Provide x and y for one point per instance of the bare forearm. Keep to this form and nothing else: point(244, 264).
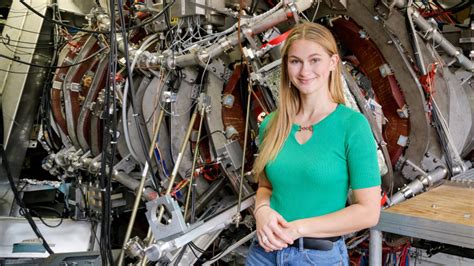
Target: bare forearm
point(350, 219)
point(270, 224)
point(263, 196)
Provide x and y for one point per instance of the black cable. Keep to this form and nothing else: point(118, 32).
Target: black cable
point(157, 105)
point(45, 105)
point(180, 255)
point(55, 67)
point(192, 250)
point(9, 40)
point(22, 52)
point(192, 246)
point(253, 6)
point(167, 19)
point(23, 73)
point(59, 22)
point(26, 14)
point(132, 95)
point(13, 27)
point(108, 146)
point(20, 202)
point(220, 253)
point(213, 132)
point(23, 210)
point(145, 22)
point(88, 212)
point(24, 47)
point(196, 247)
point(7, 37)
point(33, 210)
point(15, 10)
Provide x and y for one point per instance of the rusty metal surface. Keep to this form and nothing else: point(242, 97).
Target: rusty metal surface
point(421, 135)
point(71, 93)
point(387, 92)
point(83, 124)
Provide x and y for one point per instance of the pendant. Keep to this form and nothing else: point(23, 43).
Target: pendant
point(308, 128)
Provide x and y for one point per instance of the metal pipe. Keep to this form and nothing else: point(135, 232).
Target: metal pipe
point(399, 3)
point(215, 50)
point(421, 183)
point(174, 173)
point(148, 240)
point(201, 57)
point(183, 60)
point(242, 170)
point(140, 188)
point(439, 39)
point(231, 248)
point(125, 180)
point(196, 151)
point(133, 184)
point(375, 247)
point(220, 221)
point(415, 43)
point(210, 193)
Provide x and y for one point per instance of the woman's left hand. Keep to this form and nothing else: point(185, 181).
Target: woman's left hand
point(292, 230)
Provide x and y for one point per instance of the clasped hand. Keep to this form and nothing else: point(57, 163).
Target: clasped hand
point(273, 231)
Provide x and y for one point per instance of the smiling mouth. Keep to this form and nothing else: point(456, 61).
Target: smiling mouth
point(306, 81)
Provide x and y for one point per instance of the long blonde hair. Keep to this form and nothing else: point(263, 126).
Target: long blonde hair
point(279, 126)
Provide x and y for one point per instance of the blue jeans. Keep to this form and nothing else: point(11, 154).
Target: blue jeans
point(298, 256)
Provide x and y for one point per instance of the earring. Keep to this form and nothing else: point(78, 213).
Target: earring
point(289, 84)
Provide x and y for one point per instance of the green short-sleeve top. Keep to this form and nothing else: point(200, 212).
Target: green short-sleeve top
point(312, 179)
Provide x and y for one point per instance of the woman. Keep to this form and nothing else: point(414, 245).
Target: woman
point(313, 150)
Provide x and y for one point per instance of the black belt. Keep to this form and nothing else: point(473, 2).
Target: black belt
point(325, 243)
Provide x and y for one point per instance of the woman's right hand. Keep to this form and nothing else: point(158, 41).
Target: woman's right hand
point(270, 232)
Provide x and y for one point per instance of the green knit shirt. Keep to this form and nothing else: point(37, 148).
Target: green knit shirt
point(312, 179)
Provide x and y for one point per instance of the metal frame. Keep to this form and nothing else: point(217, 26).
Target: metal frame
point(444, 232)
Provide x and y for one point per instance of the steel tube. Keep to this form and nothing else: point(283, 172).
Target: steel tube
point(140, 188)
point(174, 173)
point(196, 151)
point(415, 43)
point(434, 34)
point(375, 247)
point(265, 23)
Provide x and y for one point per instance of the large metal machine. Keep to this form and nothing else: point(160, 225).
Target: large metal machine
point(137, 121)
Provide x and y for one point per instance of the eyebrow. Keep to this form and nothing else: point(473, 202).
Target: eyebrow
point(311, 55)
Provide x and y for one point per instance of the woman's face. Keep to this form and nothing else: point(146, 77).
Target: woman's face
point(309, 66)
